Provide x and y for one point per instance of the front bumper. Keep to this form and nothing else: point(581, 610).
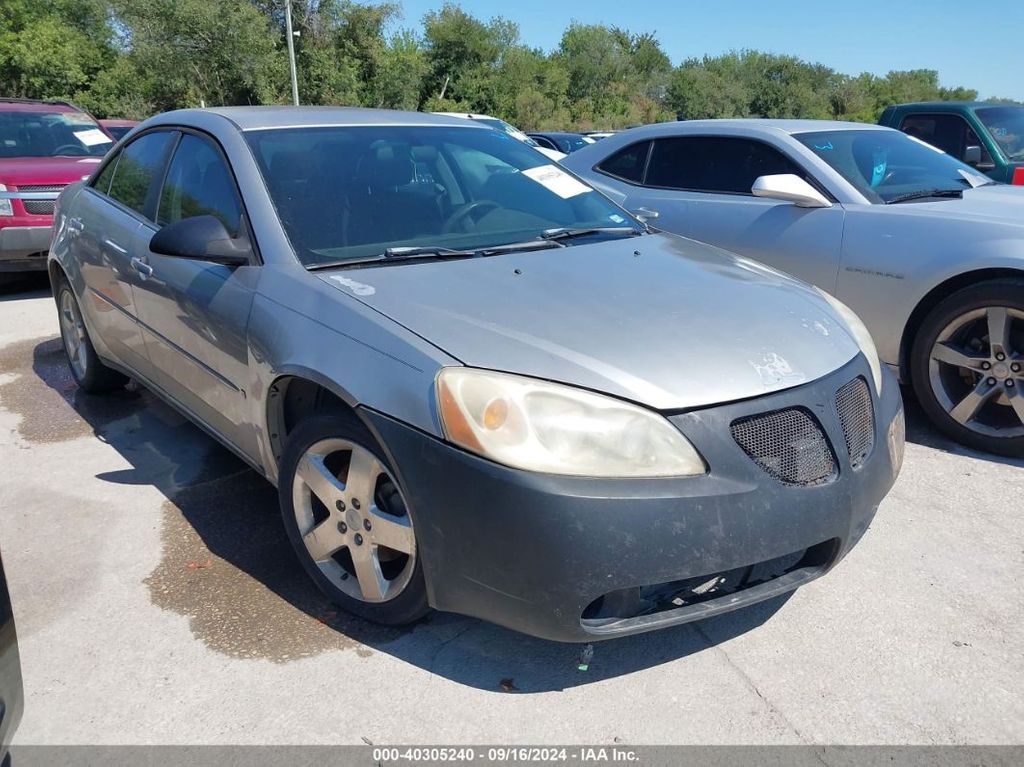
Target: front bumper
point(534, 552)
point(24, 248)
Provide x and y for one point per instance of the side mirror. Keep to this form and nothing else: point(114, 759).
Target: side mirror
point(790, 188)
point(972, 155)
point(203, 238)
point(645, 215)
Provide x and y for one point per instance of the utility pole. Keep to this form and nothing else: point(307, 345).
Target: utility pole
point(291, 50)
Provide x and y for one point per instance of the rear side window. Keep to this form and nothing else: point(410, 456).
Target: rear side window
point(137, 167)
point(198, 184)
point(714, 164)
point(628, 164)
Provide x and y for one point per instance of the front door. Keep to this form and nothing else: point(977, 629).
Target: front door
point(700, 187)
point(194, 314)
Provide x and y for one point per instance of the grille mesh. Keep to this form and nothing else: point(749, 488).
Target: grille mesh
point(41, 187)
point(39, 207)
point(788, 444)
point(853, 401)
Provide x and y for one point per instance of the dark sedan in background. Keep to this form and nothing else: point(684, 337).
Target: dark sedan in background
point(562, 142)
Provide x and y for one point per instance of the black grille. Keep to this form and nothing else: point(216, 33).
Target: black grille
point(39, 207)
point(41, 187)
point(788, 444)
point(853, 401)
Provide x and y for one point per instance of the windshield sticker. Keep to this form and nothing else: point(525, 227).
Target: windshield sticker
point(557, 180)
point(92, 137)
point(616, 218)
point(824, 147)
point(359, 288)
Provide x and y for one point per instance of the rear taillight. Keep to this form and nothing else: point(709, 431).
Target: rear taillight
point(1018, 177)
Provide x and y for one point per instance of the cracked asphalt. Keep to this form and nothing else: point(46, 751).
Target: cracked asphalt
point(157, 601)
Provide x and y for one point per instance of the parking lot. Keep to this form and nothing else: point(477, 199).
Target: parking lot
point(158, 601)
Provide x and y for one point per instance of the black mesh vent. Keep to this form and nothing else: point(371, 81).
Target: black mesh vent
point(41, 187)
point(788, 444)
point(853, 401)
point(39, 207)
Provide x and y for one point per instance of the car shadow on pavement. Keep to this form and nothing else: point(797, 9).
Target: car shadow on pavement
point(920, 431)
point(15, 287)
point(227, 566)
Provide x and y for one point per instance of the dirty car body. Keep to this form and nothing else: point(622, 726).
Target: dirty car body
point(471, 374)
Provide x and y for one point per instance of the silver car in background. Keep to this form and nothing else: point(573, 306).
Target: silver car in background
point(478, 384)
point(925, 249)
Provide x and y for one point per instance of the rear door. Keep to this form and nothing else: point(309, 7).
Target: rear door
point(193, 313)
point(104, 226)
point(700, 187)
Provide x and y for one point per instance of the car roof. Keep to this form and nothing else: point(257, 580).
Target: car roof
point(31, 105)
point(785, 126)
point(949, 106)
point(266, 117)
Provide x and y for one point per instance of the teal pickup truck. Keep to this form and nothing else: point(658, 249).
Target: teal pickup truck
point(988, 136)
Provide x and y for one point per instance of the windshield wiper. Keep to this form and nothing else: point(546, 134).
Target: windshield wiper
point(568, 232)
point(413, 253)
point(434, 253)
point(924, 194)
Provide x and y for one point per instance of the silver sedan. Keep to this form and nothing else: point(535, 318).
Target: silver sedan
point(925, 249)
point(473, 378)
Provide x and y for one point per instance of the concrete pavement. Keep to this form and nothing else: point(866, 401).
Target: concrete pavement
point(158, 601)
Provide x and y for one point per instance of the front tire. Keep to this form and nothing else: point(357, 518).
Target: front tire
point(89, 372)
point(967, 366)
point(348, 523)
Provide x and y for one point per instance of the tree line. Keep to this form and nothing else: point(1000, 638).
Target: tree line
point(134, 58)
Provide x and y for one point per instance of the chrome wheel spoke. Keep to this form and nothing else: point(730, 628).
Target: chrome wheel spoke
point(946, 352)
point(361, 480)
point(324, 540)
point(391, 532)
point(368, 574)
point(323, 484)
point(998, 329)
point(967, 409)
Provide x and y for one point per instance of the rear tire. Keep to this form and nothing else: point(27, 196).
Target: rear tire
point(967, 366)
point(340, 528)
point(89, 372)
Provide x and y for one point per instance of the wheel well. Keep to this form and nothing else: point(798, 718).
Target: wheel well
point(932, 299)
point(290, 400)
point(56, 272)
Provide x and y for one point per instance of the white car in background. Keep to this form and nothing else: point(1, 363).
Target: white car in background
point(927, 250)
point(511, 130)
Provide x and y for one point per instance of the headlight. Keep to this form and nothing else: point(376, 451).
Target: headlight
point(860, 335)
point(534, 425)
point(5, 205)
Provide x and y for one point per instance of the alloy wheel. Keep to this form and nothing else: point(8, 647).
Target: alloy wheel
point(976, 371)
point(72, 331)
point(353, 520)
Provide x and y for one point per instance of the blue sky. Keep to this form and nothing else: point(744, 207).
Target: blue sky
point(978, 45)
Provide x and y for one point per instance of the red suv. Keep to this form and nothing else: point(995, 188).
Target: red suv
point(44, 146)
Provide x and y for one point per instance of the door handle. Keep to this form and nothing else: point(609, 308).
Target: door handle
point(145, 270)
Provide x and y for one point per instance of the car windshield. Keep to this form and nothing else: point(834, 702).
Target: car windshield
point(51, 134)
point(1006, 124)
point(513, 131)
point(571, 143)
point(886, 165)
point(352, 193)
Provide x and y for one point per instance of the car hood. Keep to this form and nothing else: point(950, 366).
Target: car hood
point(17, 171)
point(660, 320)
point(996, 203)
